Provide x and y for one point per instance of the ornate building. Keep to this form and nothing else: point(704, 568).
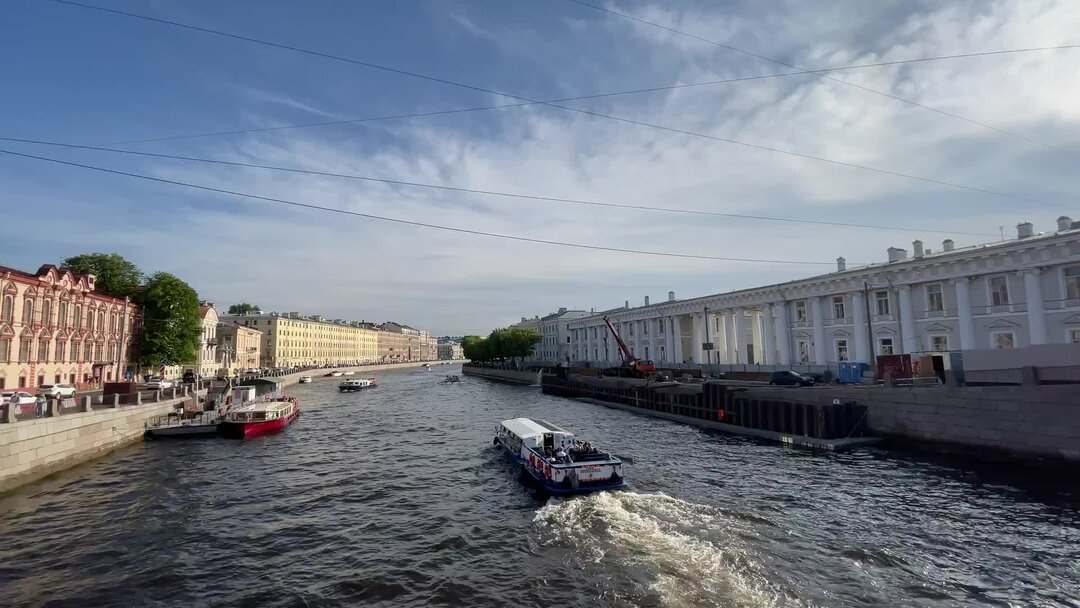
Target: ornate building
point(55, 329)
point(292, 339)
point(1010, 294)
point(240, 346)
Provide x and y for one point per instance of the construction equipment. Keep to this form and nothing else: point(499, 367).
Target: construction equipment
point(631, 365)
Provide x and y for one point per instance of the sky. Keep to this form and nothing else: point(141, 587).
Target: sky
point(80, 76)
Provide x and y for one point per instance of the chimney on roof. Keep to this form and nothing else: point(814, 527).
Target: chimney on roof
point(947, 245)
point(592, 310)
point(626, 304)
point(917, 249)
point(522, 319)
point(897, 254)
point(646, 300)
point(841, 264)
point(1064, 223)
point(1024, 230)
point(671, 296)
point(562, 309)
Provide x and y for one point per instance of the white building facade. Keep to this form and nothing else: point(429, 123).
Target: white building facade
point(555, 342)
point(1012, 294)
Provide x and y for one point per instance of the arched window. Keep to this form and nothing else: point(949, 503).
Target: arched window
point(61, 317)
point(88, 352)
point(78, 317)
point(61, 349)
point(5, 350)
point(74, 352)
point(112, 323)
point(8, 310)
point(100, 321)
point(43, 350)
point(24, 349)
point(28, 312)
point(90, 319)
point(46, 313)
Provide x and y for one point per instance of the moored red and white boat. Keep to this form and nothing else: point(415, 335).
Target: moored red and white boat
point(556, 460)
point(259, 417)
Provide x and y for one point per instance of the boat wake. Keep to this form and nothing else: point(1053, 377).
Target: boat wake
point(672, 552)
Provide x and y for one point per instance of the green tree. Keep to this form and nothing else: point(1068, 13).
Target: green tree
point(520, 342)
point(244, 309)
point(115, 276)
point(475, 348)
point(171, 325)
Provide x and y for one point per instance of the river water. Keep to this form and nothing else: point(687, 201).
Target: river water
point(395, 497)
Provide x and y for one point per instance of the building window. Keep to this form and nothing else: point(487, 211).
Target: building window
point(60, 350)
point(28, 312)
point(46, 312)
point(1074, 337)
point(646, 353)
point(1072, 283)
point(22, 381)
point(631, 328)
point(803, 347)
point(8, 309)
point(78, 317)
point(660, 323)
point(935, 300)
point(43, 351)
point(645, 329)
point(5, 349)
point(885, 346)
point(999, 291)
point(74, 352)
point(24, 350)
point(838, 309)
point(1002, 339)
point(841, 350)
point(939, 344)
point(61, 316)
point(88, 351)
point(882, 300)
point(800, 311)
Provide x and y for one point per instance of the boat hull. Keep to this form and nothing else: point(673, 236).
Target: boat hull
point(353, 389)
point(557, 489)
point(243, 430)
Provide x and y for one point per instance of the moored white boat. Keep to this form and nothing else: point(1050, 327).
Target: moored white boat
point(180, 425)
point(356, 384)
point(305, 380)
point(259, 417)
point(556, 460)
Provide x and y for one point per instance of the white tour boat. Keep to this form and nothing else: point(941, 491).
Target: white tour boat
point(356, 384)
point(556, 460)
point(305, 379)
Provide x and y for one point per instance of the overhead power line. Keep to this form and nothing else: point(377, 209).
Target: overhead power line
point(555, 105)
point(516, 195)
point(654, 89)
point(382, 218)
point(817, 73)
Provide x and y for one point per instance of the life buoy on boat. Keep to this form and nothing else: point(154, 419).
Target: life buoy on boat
point(720, 415)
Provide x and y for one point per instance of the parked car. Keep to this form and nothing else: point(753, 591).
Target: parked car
point(190, 377)
point(56, 390)
point(158, 383)
point(25, 398)
point(790, 378)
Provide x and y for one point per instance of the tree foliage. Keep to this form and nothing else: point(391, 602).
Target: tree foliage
point(244, 309)
point(501, 344)
point(171, 325)
point(115, 276)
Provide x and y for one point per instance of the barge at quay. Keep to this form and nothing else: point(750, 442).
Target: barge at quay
point(556, 460)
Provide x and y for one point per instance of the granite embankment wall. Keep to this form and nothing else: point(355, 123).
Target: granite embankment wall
point(1011, 422)
point(31, 449)
point(502, 375)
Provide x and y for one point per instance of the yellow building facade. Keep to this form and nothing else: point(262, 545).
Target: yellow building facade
point(292, 339)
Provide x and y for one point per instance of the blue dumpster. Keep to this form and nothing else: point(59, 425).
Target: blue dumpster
point(852, 372)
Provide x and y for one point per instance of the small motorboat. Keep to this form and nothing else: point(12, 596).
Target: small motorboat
point(305, 380)
point(259, 417)
point(348, 373)
point(334, 374)
point(356, 384)
point(452, 379)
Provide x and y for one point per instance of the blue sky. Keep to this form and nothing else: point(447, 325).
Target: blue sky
point(81, 76)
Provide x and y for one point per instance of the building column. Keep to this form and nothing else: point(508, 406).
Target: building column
point(862, 332)
point(768, 349)
point(1035, 311)
point(818, 317)
point(963, 311)
point(737, 336)
point(697, 336)
point(718, 337)
point(755, 336)
point(669, 340)
point(729, 337)
point(783, 333)
point(907, 321)
point(676, 329)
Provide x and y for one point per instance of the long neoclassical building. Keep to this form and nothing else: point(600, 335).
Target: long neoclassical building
point(55, 329)
point(1011, 294)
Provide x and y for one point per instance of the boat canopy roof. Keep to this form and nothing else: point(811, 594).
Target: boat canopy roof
point(530, 428)
point(263, 406)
